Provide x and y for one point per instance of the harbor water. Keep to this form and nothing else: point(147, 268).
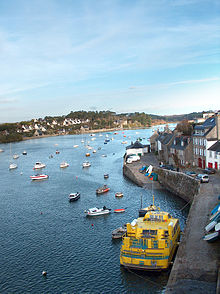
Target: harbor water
point(41, 230)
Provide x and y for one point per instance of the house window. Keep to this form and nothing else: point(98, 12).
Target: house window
point(200, 152)
point(204, 152)
point(216, 153)
point(194, 150)
point(200, 141)
point(204, 142)
point(210, 154)
point(193, 141)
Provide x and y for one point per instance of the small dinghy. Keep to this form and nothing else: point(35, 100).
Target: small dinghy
point(215, 215)
point(102, 190)
point(210, 226)
point(211, 237)
point(217, 227)
point(74, 196)
point(119, 232)
point(106, 176)
point(215, 209)
point(120, 210)
point(119, 194)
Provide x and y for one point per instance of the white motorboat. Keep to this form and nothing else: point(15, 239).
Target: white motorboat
point(64, 164)
point(1, 150)
point(13, 166)
point(94, 151)
point(82, 141)
point(15, 156)
point(39, 165)
point(39, 177)
point(86, 164)
point(74, 196)
point(24, 152)
point(75, 146)
point(97, 211)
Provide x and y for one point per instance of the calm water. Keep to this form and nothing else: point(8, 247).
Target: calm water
point(77, 252)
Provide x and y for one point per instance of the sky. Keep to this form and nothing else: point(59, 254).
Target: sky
point(154, 56)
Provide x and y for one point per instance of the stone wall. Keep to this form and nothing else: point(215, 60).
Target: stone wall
point(178, 183)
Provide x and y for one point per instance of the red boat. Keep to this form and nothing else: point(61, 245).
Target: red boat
point(102, 190)
point(39, 177)
point(119, 210)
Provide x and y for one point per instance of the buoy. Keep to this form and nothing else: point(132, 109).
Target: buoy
point(92, 225)
point(41, 212)
point(44, 273)
point(21, 173)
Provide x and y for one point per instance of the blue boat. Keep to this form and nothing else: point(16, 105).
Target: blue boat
point(215, 209)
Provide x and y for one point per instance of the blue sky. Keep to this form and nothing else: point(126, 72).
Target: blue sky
point(156, 56)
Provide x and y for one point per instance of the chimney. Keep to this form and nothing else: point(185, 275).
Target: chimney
point(217, 123)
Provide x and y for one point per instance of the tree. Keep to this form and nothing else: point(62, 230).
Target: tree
point(185, 128)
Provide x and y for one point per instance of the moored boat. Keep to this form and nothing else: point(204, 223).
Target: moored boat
point(86, 164)
point(87, 154)
point(102, 190)
point(13, 166)
point(75, 146)
point(106, 176)
point(97, 211)
point(74, 196)
point(57, 152)
point(119, 210)
point(39, 165)
point(119, 194)
point(1, 150)
point(39, 177)
point(15, 156)
point(211, 237)
point(150, 242)
point(64, 164)
point(119, 232)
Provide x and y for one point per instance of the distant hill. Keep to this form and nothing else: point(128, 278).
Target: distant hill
point(179, 117)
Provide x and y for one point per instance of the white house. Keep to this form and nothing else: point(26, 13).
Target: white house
point(213, 156)
point(137, 148)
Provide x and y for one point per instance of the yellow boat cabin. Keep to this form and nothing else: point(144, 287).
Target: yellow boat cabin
point(150, 241)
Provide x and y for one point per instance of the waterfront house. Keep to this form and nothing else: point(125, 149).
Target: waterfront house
point(164, 142)
point(153, 141)
point(204, 136)
point(181, 151)
point(137, 148)
point(213, 156)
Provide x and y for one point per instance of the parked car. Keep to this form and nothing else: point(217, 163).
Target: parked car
point(190, 173)
point(203, 178)
point(167, 166)
point(209, 171)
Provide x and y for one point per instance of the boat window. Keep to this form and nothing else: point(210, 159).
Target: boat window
point(149, 232)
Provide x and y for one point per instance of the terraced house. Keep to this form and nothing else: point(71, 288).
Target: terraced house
point(204, 136)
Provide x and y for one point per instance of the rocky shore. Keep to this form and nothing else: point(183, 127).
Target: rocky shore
point(196, 265)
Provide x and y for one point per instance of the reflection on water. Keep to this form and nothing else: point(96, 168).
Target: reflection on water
point(41, 230)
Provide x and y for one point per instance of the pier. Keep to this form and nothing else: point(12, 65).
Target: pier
point(196, 266)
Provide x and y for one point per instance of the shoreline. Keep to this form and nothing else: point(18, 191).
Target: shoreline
point(196, 264)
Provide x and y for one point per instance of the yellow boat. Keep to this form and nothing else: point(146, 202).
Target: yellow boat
point(150, 241)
